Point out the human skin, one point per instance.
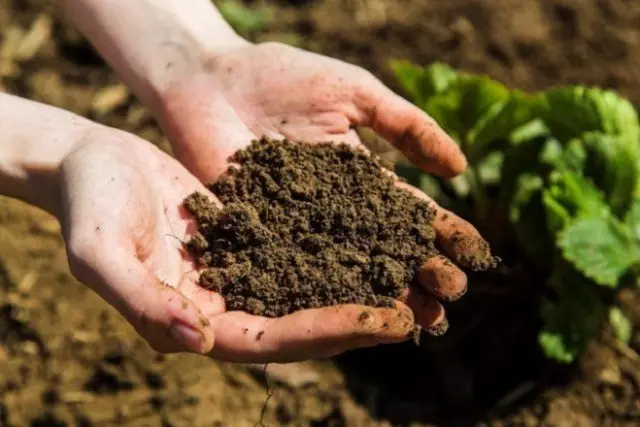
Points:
(213, 92)
(119, 201)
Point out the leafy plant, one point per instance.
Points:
(567, 176)
(246, 21)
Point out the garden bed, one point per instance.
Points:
(68, 359)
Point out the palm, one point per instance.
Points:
(281, 92)
(124, 224)
(275, 91)
(135, 222)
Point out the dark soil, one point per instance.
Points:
(308, 226)
(67, 358)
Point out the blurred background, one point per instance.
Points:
(67, 359)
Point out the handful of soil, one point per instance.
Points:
(306, 226)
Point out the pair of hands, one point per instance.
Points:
(123, 221)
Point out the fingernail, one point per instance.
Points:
(190, 337)
(439, 329)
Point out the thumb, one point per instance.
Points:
(409, 129)
(163, 316)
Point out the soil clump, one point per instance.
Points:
(307, 226)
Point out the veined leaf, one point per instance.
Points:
(570, 156)
(576, 195)
(571, 111)
(613, 165)
(422, 83)
(600, 248)
(474, 110)
(499, 122)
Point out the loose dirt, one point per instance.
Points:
(308, 226)
(66, 358)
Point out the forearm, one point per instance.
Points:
(34, 140)
(152, 43)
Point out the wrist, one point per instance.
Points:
(154, 44)
(34, 141)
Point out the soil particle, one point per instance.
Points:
(306, 226)
(473, 252)
(439, 329)
(365, 317)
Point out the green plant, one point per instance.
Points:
(246, 21)
(567, 162)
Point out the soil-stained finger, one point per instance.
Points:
(443, 278)
(427, 311)
(410, 129)
(308, 334)
(460, 240)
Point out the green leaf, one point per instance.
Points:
(576, 195)
(613, 166)
(555, 347)
(632, 219)
(243, 19)
(490, 167)
(573, 318)
(499, 121)
(570, 156)
(534, 129)
(600, 248)
(621, 324)
(422, 83)
(557, 216)
(474, 110)
(571, 111)
(527, 216)
(461, 184)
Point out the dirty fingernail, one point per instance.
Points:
(190, 337)
(439, 329)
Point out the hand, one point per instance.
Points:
(123, 223)
(278, 91)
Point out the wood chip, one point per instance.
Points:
(109, 98)
(36, 37)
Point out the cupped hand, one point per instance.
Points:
(276, 91)
(124, 225)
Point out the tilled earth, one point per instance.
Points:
(67, 359)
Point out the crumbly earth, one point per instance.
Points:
(68, 359)
(307, 226)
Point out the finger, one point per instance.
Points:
(409, 128)
(442, 278)
(428, 312)
(209, 303)
(308, 334)
(460, 240)
(168, 320)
